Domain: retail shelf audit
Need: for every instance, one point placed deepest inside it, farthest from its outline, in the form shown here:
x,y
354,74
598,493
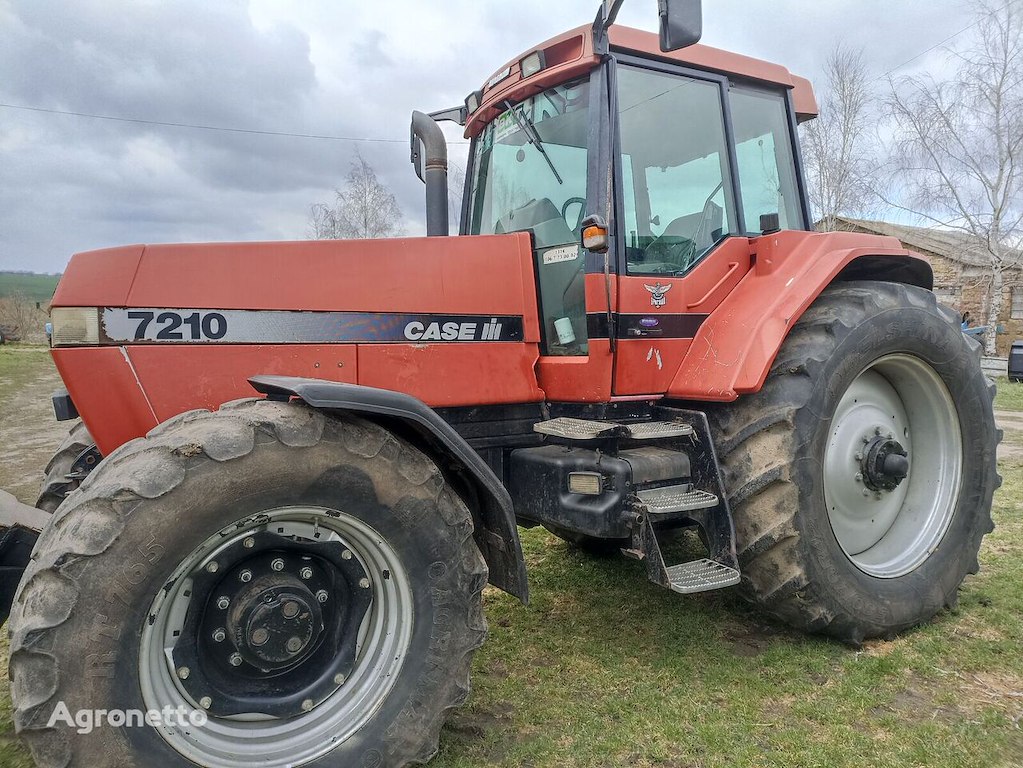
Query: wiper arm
x,y
533,135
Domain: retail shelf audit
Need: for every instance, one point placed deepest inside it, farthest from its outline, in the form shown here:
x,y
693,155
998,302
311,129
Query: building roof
x,y
957,246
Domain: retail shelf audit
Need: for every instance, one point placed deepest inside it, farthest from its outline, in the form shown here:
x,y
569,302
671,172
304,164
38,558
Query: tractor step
x,y
674,499
700,576
566,428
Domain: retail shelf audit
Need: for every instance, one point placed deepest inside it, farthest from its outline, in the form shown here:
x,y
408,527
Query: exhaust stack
x,y
428,140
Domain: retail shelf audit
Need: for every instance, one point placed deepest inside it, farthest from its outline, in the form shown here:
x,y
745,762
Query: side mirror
x,y
681,23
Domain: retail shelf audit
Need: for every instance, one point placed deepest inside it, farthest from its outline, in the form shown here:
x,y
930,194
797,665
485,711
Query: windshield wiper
x,y
527,127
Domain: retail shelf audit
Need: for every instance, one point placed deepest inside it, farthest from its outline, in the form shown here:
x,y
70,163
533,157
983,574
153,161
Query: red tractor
x,y
636,332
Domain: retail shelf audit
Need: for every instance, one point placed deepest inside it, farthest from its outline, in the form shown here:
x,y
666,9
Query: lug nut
x,y
223,602
321,596
859,477
346,555
212,566
339,679
306,572
307,705
294,645
184,672
219,635
290,610
866,492
235,660
277,564
205,702
245,576
877,430
364,583
859,457
249,543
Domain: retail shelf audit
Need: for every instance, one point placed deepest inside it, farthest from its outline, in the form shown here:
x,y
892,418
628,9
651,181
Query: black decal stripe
x,y
119,325
646,326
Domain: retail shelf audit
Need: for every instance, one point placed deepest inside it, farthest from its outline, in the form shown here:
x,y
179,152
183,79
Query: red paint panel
x,y
453,374
98,278
734,349
103,386
700,291
467,275
182,378
578,379
647,366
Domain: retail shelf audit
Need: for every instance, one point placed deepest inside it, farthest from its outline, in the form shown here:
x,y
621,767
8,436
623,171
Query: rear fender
x,y
488,500
736,346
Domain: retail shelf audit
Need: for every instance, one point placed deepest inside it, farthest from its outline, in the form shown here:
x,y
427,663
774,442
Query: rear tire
x,y
56,485
814,552
96,608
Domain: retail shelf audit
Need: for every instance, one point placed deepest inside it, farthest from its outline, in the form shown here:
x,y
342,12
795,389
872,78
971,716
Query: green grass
x,y
604,669
1009,396
33,287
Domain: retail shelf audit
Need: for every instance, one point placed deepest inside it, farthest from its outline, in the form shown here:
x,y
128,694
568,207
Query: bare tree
x,y
959,145
19,318
365,208
456,186
835,145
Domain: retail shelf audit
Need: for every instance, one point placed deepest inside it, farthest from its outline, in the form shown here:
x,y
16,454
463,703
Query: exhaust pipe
x,y
428,139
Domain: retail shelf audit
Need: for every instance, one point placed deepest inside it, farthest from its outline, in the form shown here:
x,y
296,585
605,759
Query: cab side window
x,y
763,151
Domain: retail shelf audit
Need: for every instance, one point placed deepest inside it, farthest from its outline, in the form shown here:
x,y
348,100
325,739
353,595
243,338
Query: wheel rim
x,y
896,418
247,738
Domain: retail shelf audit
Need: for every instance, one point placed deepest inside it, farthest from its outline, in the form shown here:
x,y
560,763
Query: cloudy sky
x,y
329,68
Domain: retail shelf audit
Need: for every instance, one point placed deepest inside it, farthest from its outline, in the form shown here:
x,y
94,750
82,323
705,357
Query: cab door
x,y
700,161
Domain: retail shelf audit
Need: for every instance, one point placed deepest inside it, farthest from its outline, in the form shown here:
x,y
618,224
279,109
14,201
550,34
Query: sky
x,y
317,67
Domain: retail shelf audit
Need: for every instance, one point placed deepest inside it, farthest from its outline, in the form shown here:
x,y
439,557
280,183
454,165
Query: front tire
x,y
831,539
199,568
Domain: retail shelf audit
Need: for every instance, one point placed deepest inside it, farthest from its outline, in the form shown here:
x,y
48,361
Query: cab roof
x,y
571,55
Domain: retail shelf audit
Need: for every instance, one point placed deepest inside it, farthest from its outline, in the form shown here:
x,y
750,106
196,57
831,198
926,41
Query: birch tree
x,y
959,145
363,209
835,144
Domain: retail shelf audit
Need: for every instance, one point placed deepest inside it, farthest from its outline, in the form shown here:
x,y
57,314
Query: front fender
x,y
735,347
494,518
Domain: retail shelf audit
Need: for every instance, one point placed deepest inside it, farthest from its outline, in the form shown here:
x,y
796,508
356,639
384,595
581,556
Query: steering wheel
x,y
581,202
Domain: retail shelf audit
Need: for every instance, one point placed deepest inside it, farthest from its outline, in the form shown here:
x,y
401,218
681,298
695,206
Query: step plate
x,y
585,429
701,576
578,429
675,498
654,430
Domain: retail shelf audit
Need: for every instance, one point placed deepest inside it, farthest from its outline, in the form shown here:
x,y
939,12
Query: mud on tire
x,y
772,445
86,598
56,485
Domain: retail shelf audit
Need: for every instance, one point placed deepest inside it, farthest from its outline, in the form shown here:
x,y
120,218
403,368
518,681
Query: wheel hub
x,y
885,464
272,626
274,621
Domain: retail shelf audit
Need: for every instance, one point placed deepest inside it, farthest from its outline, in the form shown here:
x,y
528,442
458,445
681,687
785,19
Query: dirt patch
x,y
29,434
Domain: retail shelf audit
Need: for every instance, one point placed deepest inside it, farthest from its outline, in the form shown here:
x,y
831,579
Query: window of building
x,y
1016,312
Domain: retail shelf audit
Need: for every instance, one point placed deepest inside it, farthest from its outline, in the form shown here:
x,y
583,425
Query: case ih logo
x,y
453,331
657,292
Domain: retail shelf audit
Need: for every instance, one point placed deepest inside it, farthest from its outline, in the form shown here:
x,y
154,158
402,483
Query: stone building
x,y
961,278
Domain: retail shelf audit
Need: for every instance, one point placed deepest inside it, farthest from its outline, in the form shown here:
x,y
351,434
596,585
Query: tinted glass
x,y
763,150
676,179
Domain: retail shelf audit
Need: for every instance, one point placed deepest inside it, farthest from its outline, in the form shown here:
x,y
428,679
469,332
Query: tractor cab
x,y
677,159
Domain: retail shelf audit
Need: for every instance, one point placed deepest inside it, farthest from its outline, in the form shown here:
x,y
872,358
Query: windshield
x,y
515,187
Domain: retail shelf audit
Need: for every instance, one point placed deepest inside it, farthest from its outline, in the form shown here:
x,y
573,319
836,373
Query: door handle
x,y
731,268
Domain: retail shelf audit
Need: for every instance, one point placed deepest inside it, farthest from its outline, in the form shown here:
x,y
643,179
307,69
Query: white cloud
x,y
350,69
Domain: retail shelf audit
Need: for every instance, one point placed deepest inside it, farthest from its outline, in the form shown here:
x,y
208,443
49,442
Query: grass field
x,y
33,287
1010,395
604,670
